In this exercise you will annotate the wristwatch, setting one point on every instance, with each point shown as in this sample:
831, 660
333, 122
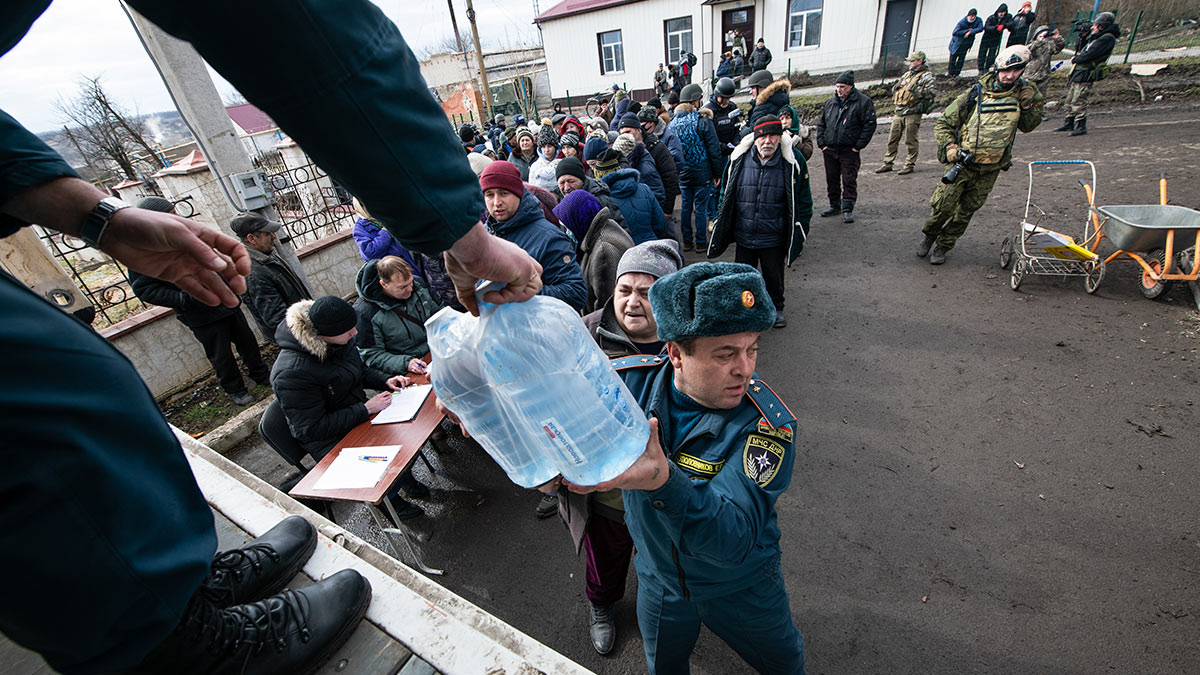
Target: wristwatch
97, 221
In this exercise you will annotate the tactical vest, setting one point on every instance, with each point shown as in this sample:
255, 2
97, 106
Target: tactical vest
904, 96
990, 129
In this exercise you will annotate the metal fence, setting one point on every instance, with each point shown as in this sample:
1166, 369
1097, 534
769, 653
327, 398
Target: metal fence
310, 204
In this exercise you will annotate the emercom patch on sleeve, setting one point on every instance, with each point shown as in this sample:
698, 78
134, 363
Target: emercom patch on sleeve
761, 458
700, 466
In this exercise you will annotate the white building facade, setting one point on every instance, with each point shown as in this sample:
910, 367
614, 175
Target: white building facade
591, 44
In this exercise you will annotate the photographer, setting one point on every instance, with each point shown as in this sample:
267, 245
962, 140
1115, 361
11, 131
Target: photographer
975, 137
1090, 64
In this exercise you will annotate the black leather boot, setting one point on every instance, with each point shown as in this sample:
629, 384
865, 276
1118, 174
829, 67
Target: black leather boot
833, 209
1080, 127
601, 627
847, 210
1069, 125
264, 566
292, 633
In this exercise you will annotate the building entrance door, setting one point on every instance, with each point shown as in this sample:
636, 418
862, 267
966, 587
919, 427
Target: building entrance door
897, 29
737, 30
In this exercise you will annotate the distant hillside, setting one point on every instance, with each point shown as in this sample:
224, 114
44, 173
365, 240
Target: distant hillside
166, 129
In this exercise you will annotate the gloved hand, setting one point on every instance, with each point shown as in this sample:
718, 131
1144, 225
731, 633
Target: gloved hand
951, 153
1027, 96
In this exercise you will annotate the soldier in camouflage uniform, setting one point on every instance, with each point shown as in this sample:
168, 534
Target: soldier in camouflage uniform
977, 130
1088, 66
1045, 44
913, 95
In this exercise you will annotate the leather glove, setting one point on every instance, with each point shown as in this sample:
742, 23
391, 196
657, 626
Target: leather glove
951, 153
1027, 96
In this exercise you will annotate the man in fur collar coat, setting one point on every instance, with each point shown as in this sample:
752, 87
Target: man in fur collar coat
766, 207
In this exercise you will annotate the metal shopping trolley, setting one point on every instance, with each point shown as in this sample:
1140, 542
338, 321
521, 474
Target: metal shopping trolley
1038, 250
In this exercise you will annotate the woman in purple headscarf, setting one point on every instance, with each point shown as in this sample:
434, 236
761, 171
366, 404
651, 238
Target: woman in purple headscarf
599, 240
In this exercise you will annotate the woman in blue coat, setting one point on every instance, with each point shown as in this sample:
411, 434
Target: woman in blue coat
643, 216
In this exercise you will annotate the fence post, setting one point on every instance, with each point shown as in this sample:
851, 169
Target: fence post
1133, 35
789, 67
883, 68
570, 110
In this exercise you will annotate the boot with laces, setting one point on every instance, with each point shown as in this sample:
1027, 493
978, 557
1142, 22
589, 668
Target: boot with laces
264, 566
291, 633
601, 627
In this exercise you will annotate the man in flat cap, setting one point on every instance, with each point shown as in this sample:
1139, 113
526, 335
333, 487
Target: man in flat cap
272, 285
700, 502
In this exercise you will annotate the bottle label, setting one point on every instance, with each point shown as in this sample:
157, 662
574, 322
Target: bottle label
564, 443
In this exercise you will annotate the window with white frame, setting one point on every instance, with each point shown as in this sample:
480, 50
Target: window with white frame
612, 55
678, 37
804, 23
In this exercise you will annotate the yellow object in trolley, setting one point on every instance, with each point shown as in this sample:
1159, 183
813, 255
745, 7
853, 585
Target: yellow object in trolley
1056, 244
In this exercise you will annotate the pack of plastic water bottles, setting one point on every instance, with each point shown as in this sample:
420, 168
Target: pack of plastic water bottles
532, 387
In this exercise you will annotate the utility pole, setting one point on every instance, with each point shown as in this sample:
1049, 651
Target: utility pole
487, 92
458, 38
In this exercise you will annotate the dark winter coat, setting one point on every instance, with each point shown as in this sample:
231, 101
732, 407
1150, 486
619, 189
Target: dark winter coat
725, 68
319, 385
528, 228
599, 253
760, 58
598, 189
798, 198
1092, 52
963, 36
994, 27
190, 311
440, 285
271, 288
522, 163
762, 216
643, 216
668, 137
846, 123
397, 326
639, 158
769, 101
727, 128
1021, 23
699, 148
664, 163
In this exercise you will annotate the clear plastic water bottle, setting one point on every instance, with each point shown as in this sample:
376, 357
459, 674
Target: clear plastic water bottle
460, 386
563, 403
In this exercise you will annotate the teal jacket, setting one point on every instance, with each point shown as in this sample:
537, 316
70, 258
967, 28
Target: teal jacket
397, 333
711, 529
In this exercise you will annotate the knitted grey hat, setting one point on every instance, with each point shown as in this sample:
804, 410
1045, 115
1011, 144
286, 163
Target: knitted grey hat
547, 136
624, 144
658, 258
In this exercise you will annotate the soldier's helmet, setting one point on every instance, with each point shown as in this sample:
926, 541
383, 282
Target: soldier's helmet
760, 78
1105, 19
690, 93
725, 87
499, 119
1037, 32
1012, 56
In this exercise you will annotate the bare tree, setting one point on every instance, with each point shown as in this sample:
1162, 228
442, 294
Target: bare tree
448, 45
235, 98
103, 132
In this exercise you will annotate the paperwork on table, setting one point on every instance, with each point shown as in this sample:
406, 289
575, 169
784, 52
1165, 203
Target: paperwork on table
357, 468
405, 404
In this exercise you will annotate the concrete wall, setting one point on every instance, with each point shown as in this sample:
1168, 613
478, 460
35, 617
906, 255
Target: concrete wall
167, 355
208, 200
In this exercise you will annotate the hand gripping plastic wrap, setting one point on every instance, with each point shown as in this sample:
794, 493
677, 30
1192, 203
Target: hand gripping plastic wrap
533, 388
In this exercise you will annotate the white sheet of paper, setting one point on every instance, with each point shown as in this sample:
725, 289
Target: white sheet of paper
357, 468
405, 405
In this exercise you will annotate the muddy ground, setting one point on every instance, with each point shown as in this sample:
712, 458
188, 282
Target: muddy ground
989, 481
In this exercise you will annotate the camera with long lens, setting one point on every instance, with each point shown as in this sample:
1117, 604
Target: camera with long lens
963, 160
1081, 25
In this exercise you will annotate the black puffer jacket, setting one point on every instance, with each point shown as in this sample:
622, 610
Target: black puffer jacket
190, 311
271, 288
665, 163
727, 128
769, 101
319, 385
846, 123
1092, 52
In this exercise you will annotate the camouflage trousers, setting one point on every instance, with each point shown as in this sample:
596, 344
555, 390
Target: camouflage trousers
906, 126
951, 206
1077, 99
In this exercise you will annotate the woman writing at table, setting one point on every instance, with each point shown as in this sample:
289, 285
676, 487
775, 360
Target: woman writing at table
392, 308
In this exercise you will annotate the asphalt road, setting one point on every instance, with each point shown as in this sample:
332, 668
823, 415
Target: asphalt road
989, 481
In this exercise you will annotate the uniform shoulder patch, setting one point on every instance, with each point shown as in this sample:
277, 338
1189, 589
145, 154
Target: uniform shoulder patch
761, 458
638, 361
769, 404
782, 432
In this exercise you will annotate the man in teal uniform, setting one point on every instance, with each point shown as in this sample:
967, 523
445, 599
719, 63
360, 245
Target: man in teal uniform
108, 540
700, 503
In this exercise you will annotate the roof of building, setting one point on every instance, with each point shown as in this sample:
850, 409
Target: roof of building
250, 118
572, 7
193, 162
128, 182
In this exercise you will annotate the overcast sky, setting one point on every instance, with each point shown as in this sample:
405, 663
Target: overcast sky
76, 38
